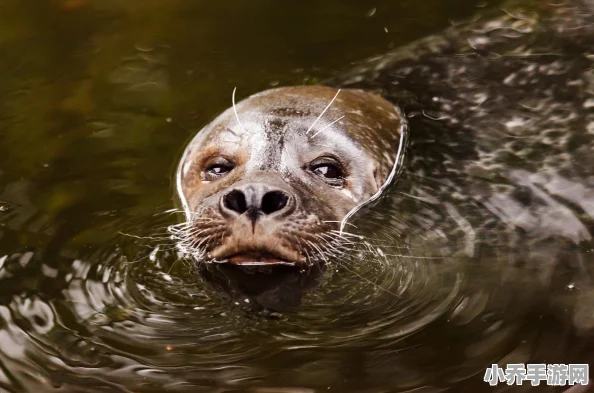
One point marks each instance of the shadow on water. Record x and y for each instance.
(265, 291)
(98, 100)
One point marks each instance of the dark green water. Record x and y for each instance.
(98, 99)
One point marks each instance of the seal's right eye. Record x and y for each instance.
(328, 169)
(216, 169)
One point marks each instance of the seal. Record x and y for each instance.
(498, 167)
(270, 180)
(500, 111)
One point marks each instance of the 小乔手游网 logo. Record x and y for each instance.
(535, 374)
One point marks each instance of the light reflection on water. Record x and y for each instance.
(93, 294)
(133, 317)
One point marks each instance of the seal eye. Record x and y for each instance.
(216, 169)
(329, 169)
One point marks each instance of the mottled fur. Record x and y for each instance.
(501, 152)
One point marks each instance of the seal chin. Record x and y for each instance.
(257, 257)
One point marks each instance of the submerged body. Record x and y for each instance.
(501, 153)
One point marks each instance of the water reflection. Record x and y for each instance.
(143, 320)
(149, 323)
(261, 290)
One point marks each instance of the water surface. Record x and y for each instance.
(99, 98)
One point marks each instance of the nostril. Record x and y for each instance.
(235, 201)
(274, 201)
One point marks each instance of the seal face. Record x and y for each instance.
(269, 180)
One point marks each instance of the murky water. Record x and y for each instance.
(99, 98)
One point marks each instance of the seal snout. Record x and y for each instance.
(255, 212)
(257, 200)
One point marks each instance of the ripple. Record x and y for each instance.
(135, 313)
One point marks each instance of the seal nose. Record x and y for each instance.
(256, 200)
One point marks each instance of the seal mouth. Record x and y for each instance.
(256, 256)
(257, 259)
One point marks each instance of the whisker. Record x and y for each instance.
(321, 253)
(322, 114)
(235, 109)
(173, 264)
(170, 211)
(410, 256)
(143, 237)
(344, 266)
(348, 223)
(417, 198)
(328, 126)
(308, 258)
(332, 248)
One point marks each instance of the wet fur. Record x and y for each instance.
(501, 152)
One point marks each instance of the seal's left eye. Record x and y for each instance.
(217, 168)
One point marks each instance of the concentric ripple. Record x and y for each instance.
(136, 316)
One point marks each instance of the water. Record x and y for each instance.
(99, 99)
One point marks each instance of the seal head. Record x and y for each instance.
(270, 179)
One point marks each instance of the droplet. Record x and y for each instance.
(4, 206)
